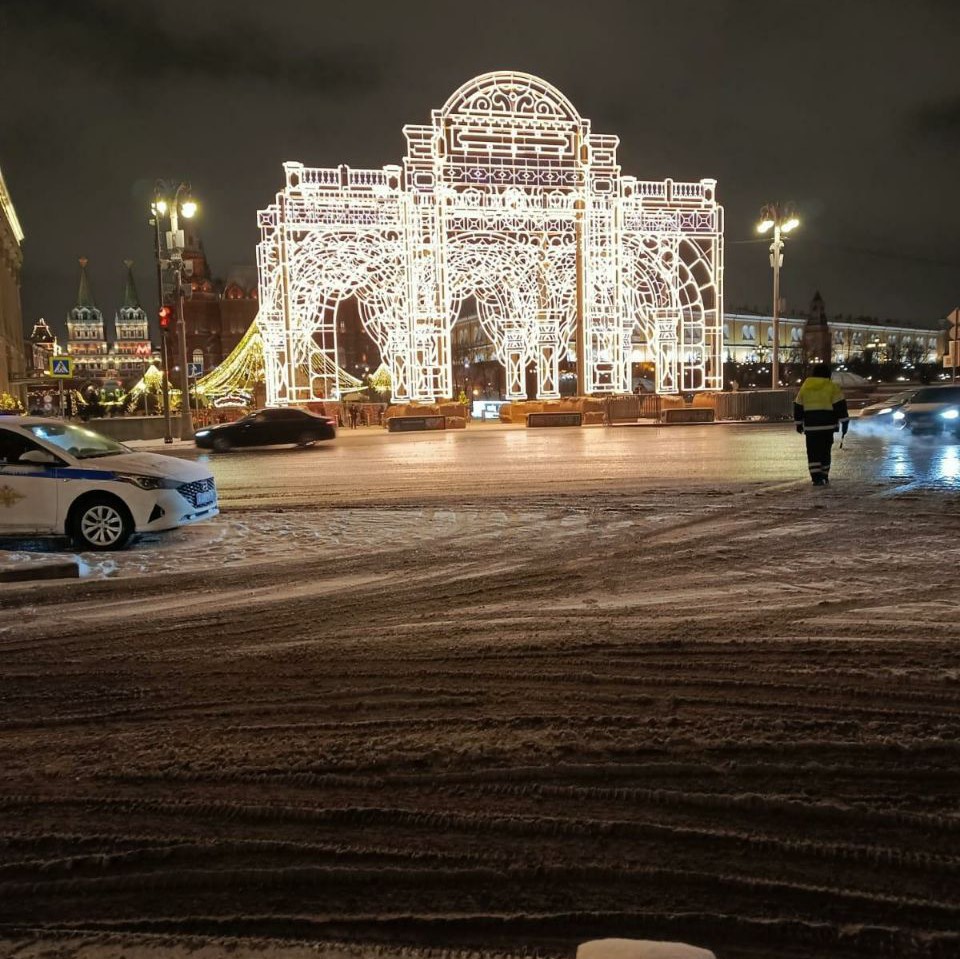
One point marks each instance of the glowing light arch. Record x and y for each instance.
(509, 197)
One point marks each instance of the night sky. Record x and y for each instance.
(848, 108)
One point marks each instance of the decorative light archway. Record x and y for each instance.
(509, 198)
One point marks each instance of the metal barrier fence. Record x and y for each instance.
(629, 409)
(768, 405)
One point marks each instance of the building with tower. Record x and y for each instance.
(132, 351)
(217, 312)
(817, 343)
(11, 319)
(86, 337)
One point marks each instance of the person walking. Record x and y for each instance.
(819, 411)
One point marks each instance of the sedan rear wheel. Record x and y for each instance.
(102, 524)
(307, 439)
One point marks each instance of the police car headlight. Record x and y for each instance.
(145, 482)
(899, 415)
(202, 433)
(950, 414)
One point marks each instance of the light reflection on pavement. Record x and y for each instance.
(489, 462)
(370, 487)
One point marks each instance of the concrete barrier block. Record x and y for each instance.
(640, 949)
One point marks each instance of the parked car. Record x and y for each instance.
(933, 409)
(882, 412)
(271, 427)
(59, 478)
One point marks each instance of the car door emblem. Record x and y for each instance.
(9, 497)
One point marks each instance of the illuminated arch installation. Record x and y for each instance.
(508, 197)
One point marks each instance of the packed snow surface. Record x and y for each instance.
(379, 709)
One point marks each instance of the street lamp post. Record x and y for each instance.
(165, 383)
(782, 220)
(179, 204)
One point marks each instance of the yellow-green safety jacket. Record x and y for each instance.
(820, 406)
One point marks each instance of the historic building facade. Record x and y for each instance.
(217, 312)
(748, 338)
(12, 355)
(100, 354)
(42, 346)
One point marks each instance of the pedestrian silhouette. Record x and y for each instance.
(819, 411)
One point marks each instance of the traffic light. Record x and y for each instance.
(166, 315)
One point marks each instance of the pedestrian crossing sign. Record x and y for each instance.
(61, 366)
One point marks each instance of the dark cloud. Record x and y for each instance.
(854, 114)
(133, 42)
(938, 122)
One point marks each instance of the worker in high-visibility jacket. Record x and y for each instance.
(819, 411)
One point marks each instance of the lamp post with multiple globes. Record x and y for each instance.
(173, 201)
(782, 220)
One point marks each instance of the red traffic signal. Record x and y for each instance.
(166, 315)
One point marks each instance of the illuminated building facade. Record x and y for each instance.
(509, 200)
(12, 356)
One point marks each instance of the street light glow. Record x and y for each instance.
(791, 224)
(764, 225)
(188, 208)
(160, 206)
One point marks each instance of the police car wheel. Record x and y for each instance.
(221, 444)
(102, 524)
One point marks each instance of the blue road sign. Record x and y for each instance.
(194, 370)
(61, 366)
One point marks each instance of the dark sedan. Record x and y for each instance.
(273, 427)
(934, 409)
(882, 412)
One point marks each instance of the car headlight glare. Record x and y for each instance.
(950, 414)
(202, 433)
(886, 409)
(145, 482)
(899, 415)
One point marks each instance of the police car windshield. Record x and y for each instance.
(78, 441)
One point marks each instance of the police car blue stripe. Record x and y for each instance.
(61, 472)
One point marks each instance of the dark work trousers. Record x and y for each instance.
(819, 445)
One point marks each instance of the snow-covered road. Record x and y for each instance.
(421, 693)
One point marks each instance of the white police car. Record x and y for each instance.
(59, 478)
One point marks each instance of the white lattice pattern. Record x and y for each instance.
(509, 198)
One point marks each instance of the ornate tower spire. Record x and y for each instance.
(131, 299)
(85, 294)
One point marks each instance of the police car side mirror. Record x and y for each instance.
(38, 458)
